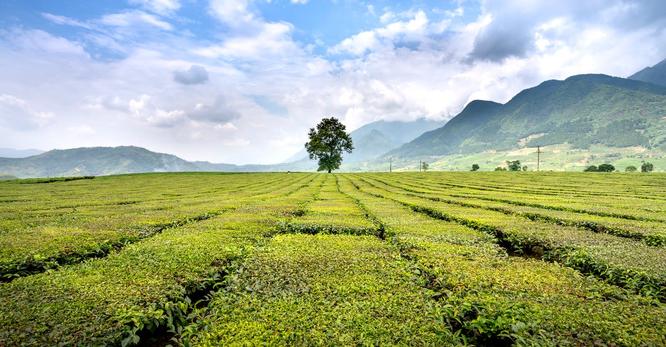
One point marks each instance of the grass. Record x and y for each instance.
(346, 259)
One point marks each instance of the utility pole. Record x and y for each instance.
(391, 164)
(538, 157)
(419, 166)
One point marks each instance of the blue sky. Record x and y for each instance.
(241, 81)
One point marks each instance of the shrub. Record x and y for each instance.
(630, 168)
(475, 167)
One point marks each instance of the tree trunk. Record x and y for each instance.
(329, 170)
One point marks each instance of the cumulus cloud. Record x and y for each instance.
(392, 34)
(196, 74)
(510, 31)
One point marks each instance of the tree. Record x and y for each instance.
(630, 168)
(475, 167)
(327, 142)
(513, 165)
(647, 167)
(424, 166)
(591, 168)
(524, 167)
(606, 168)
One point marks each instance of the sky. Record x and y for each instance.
(241, 81)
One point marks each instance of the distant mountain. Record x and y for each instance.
(93, 161)
(582, 110)
(96, 161)
(18, 153)
(655, 74)
(376, 138)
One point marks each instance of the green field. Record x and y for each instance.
(437, 258)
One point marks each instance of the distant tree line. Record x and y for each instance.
(645, 167)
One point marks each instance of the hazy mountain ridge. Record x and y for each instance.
(654, 74)
(96, 161)
(19, 153)
(376, 138)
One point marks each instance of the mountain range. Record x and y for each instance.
(580, 120)
(581, 111)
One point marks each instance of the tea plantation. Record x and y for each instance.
(437, 258)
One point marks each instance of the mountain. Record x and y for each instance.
(93, 161)
(18, 153)
(96, 161)
(376, 138)
(655, 74)
(581, 111)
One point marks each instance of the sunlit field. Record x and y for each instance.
(334, 259)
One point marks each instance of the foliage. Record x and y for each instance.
(591, 168)
(424, 166)
(630, 168)
(606, 168)
(513, 165)
(499, 168)
(327, 142)
(647, 167)
(475, 167)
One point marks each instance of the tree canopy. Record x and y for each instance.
(327, 142)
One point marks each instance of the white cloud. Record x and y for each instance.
(232, 12)
(17, 113)
(412, 29)
(162, 7)
(82, 129)
(134, 18)
(62, 20)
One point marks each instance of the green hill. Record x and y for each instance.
(581, 111)
(93, 161)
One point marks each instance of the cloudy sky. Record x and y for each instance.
(241, 81)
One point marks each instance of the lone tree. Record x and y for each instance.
(327, 142)
(475, 167)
